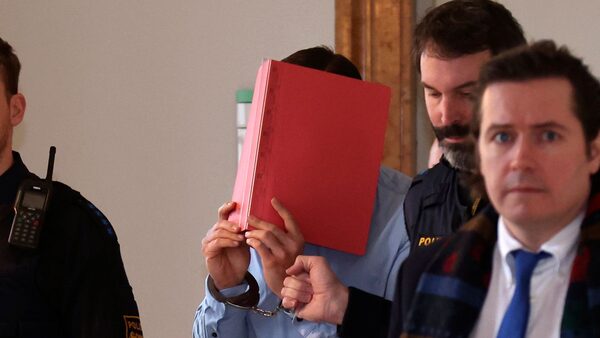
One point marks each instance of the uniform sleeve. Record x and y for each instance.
(412, 208)
(98, 300)
(107, 298)
(367, 315)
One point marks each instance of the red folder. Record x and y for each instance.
(314, 141)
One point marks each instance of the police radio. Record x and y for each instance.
(31, 205)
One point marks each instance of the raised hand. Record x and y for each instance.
(276, 247)
(226, 254)
(314, 291)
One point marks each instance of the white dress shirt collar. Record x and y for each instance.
(549, 283)
(561, 246)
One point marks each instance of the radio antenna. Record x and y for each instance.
(50, 163)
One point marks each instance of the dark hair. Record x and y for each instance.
(10, 67)
(542, 60)
(463, 27)
(323, 58)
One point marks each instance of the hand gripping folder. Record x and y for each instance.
(314, 141)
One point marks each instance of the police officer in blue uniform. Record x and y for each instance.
(73, 284)
(450, 44)
(438, 202)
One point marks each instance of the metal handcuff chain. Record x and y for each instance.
(247, 300)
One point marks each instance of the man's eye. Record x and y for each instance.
(501, 137)
(433, 94)
(549, 136)
(469, 96)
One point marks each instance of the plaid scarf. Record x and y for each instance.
(452, 291)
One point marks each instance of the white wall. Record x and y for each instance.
(138, 97)
(572, 23)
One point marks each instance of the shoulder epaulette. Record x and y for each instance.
(97, 215)
(64, 192)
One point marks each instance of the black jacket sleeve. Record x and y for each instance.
(412, 208)
(366, 316)
(83, 262)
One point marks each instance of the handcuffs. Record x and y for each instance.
(247, 300)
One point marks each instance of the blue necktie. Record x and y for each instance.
(514, 323)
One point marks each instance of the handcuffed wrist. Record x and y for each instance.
(247, 299)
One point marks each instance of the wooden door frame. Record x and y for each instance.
(377, 36)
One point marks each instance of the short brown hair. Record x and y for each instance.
(463, 27)
(543, 59)
(10, 67)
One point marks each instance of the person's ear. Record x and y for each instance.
(594, 154)
(17, 108)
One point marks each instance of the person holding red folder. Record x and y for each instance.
(267, 251)
(451, 44)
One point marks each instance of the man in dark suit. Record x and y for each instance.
(529, 265)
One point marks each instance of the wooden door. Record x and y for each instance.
(377, 36)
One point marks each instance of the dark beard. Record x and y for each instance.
(460, 155)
